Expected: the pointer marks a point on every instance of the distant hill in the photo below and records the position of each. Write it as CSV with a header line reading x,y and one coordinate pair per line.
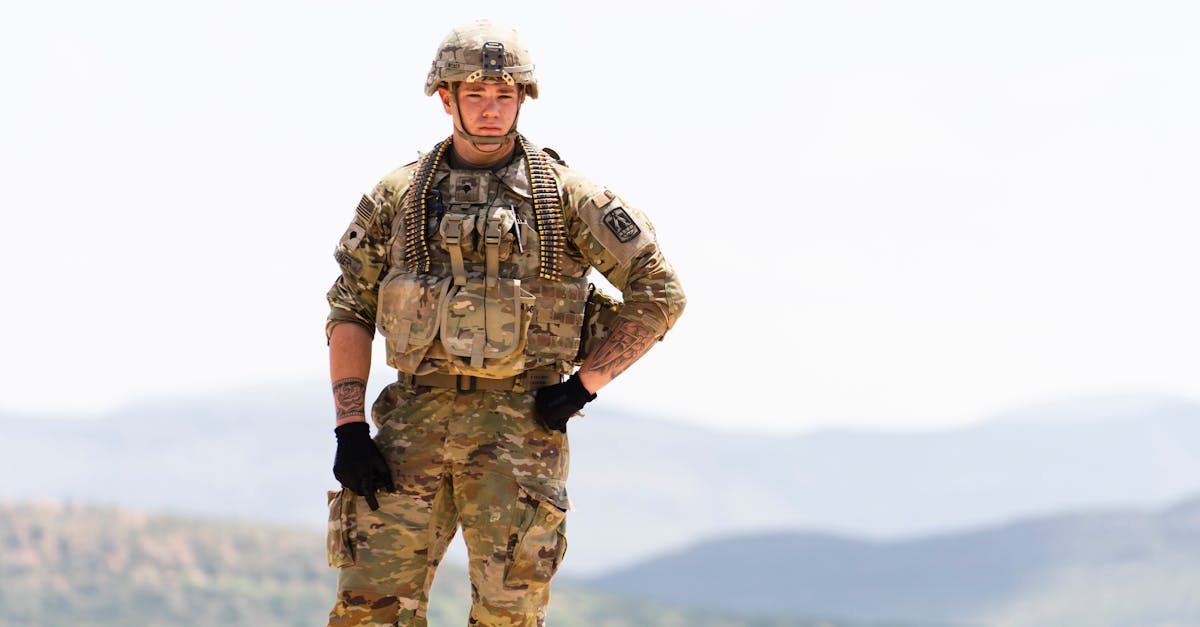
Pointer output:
x,y
95,567
65,565
1110,569
640,485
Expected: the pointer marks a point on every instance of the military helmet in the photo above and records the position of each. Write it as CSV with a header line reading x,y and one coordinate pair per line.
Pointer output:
x,y
482,51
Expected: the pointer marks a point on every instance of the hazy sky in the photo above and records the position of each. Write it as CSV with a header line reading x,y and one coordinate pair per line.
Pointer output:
x,y
885,214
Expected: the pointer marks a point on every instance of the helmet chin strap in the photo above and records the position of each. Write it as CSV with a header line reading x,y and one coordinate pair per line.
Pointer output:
x,y
478,141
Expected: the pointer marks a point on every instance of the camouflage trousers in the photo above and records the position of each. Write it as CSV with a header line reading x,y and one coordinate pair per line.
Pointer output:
x,y
477,460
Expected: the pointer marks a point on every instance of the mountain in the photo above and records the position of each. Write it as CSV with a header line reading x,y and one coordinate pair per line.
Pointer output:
x,y
99,567
640,485
1111,569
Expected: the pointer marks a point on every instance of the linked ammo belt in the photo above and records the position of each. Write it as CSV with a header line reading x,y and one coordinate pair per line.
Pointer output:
x,y
526,381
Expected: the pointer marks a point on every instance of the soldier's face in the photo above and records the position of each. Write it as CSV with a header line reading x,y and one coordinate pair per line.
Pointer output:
x,y
487,108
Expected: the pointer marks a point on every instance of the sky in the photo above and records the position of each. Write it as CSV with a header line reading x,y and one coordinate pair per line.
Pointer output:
x,y
885,215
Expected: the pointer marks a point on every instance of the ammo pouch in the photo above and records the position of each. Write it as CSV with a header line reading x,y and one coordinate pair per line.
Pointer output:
x,y
407,316
458,236
487,235
484,325
598,317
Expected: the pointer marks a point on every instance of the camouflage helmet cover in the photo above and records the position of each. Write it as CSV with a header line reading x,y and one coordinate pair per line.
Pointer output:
x,y
482,51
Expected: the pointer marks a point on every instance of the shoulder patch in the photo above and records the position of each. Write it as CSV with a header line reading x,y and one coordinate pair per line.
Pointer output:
x,y
364,212
347,261
353,236
621,225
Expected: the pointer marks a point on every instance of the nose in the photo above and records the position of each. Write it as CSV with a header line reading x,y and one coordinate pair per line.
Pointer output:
x,y
491,108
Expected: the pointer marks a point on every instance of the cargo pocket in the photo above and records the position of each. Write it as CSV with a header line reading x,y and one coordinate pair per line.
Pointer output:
x,y
343,526
538,541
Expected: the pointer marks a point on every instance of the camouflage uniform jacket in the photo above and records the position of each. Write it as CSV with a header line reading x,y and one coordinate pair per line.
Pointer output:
x,y
601,231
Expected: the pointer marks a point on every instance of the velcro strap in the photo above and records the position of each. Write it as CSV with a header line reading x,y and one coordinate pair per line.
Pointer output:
x,y
491,243
477,345
405,332
453,229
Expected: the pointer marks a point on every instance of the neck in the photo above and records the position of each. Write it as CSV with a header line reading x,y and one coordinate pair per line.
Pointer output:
x,y
468,152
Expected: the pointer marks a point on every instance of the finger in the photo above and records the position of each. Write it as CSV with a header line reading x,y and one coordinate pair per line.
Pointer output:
x,y
383,476
368,492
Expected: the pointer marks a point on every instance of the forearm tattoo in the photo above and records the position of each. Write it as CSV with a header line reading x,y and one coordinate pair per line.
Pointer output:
x,y
349,397
626,342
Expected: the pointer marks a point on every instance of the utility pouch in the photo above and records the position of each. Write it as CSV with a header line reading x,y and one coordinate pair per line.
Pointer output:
x,y
557,317
598,317
496,230
484,326
343,526
407,316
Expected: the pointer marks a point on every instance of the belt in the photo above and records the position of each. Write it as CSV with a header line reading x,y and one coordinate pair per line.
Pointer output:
x,y
525,382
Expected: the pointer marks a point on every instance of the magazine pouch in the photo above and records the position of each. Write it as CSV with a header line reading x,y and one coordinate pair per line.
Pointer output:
x,y
484,324
407,316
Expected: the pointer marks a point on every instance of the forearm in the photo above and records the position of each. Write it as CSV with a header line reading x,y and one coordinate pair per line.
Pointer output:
x,y
627,341
349,367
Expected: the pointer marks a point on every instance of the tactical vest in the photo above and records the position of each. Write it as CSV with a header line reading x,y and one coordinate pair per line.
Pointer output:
x,y
483,281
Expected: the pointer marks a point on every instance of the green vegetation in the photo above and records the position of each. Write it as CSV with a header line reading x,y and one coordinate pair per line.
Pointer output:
x,y
97,567
68,565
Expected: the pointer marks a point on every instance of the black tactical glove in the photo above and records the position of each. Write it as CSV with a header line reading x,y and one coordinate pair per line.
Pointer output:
x,y
558,402
359,465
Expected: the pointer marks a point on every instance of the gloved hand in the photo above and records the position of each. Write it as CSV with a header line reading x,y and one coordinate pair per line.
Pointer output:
x,y
558,402
359,465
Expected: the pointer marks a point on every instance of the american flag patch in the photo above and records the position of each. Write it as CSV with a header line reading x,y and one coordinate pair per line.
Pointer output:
x,y
365,211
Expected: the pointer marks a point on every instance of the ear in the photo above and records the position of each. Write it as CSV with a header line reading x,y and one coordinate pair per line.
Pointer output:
x,y
444,95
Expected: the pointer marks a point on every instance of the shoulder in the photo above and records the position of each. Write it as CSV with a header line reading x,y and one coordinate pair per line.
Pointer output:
x,y
393,185
599,214
577,189
382,203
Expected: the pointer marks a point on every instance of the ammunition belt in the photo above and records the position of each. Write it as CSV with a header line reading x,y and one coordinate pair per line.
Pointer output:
x,y
416,215
547,210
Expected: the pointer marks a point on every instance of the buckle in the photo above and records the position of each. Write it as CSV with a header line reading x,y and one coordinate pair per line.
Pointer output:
x,y
458,383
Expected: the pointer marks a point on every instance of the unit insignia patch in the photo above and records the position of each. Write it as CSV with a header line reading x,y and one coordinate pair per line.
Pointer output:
x,y
621,225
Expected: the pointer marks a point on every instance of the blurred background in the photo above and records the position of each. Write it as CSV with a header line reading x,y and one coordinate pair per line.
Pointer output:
x,y
939,364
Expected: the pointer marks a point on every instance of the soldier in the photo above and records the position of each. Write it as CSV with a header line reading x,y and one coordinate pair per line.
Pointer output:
x,y
472,263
